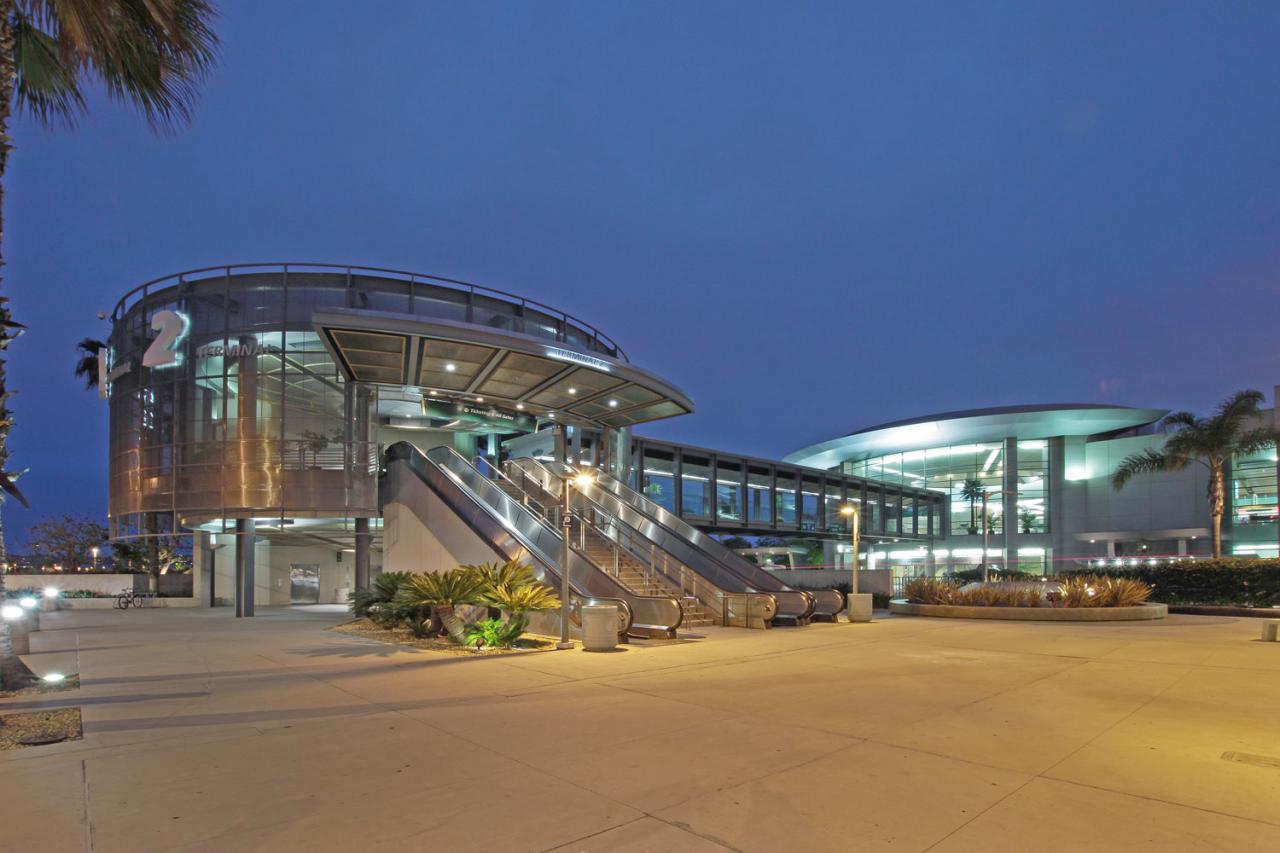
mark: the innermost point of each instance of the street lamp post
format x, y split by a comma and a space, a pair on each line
986, 526
94, 551
582, 480
859, 604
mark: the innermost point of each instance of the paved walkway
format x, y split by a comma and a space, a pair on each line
204, 733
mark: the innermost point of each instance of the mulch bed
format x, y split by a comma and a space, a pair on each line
35, 728
367, 630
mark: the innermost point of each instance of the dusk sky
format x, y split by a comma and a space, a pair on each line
812, 217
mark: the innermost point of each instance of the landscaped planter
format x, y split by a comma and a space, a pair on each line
1037, 614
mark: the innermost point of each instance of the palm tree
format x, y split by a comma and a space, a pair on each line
87, 361
442, 592
971, 490
1212, 442
151, 53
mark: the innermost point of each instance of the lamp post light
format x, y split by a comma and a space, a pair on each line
94, 551
31, 605
19, 628
986, 526
859, 605
582, 479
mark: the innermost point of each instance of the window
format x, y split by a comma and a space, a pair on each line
1253, 488
695, 487
660, 478
729, 491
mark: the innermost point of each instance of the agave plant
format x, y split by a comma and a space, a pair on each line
442, 592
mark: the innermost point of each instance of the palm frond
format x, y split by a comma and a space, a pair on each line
151, 53
1255, 440
1148, 461
1240, 405
47, 87
1180, 420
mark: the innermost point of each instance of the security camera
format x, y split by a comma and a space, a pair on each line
102, 315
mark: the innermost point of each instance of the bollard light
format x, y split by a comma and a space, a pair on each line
28, 601
11, 612
50, 592
54, 678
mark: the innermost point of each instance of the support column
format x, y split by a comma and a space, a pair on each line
575, 446
562, 443
1010, 503
245, 536
363, 539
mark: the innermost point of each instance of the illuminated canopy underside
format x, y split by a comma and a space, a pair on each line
504, 368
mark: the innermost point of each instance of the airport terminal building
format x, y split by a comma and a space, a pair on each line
253, 408
1047, 471
303, 426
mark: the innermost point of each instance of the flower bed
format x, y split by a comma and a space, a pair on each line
1079, 598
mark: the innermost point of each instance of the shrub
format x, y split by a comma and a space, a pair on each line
974, 575
1231, 581
381, 591
494, 633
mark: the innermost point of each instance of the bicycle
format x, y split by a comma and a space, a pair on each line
132, 598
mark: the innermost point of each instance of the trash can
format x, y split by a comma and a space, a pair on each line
599, 627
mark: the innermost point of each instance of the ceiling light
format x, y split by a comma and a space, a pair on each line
573, 390
479, 399
450, 367
433, 393
613, 404
520, 406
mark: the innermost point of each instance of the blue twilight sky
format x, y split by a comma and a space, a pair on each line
812, 216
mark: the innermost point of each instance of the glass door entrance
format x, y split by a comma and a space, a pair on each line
304, 584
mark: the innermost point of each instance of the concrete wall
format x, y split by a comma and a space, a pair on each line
105, 583
272, 564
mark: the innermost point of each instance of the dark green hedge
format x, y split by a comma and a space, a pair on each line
1244, 583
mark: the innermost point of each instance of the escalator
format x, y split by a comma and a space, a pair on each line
645, 557
513, 531
691, 547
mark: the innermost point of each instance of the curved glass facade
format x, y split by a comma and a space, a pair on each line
250, 418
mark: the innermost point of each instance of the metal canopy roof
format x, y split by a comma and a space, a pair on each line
976, 425
467, 362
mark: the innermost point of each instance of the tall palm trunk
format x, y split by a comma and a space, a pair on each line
1217, 505
11, 667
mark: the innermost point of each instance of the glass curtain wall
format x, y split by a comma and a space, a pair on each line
962, 473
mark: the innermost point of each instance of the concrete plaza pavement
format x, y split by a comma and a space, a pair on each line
206, 733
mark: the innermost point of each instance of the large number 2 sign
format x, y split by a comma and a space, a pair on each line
172, 328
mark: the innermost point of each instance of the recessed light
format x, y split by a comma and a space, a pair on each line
551, 414
520, 406
432, 393
573, 390
479, 399
450, 367
613, 404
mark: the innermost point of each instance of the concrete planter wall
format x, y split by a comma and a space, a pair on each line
1033, 614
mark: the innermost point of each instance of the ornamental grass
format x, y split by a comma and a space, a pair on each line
1073, 591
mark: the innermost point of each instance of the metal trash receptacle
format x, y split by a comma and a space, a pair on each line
599, 627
